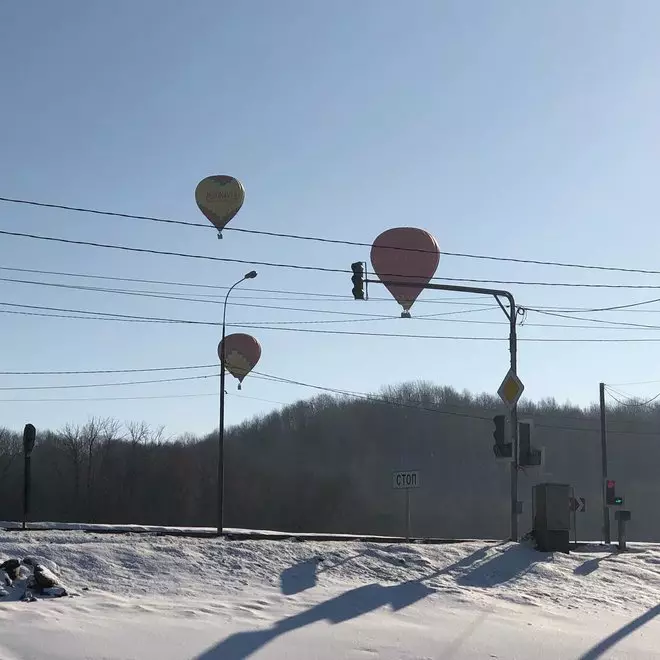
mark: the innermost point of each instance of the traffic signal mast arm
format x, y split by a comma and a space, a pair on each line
497, 293
510, 313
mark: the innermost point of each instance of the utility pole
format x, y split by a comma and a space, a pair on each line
603, 455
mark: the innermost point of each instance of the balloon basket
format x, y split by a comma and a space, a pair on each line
405, 315
219, 235
240, 387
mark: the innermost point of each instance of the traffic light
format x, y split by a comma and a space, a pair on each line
501, 448
610, 491
611, 497
358, 280
528, 456
29, 438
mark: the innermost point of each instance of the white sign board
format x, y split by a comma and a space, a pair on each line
405, 479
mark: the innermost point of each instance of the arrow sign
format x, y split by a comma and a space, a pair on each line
578, 504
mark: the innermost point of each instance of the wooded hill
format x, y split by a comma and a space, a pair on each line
325, 465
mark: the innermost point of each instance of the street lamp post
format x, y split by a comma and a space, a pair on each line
221, 427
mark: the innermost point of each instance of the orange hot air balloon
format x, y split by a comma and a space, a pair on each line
405, 254
242, 352
219, 198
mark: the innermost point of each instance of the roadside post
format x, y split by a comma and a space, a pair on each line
406, 480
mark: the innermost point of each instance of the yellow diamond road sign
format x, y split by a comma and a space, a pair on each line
511, 389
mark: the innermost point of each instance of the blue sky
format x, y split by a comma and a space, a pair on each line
516, 129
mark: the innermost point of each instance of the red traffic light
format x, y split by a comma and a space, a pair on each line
610, 493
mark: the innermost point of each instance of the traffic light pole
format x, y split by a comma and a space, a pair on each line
510, 313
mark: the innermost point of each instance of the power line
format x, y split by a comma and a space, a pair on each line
367, 397
112, 316
106, 398
255, 374
461, 338
371, 398
322, 269
178, 296
107, 371
256, 324
179, 368
179, 284
628, 325
468, 300
270, 378
638, 382
168, 296
140, 398
584, 310
74, 316
116, 384
319, 239
353, 315
610, 309
634, 404
167, 253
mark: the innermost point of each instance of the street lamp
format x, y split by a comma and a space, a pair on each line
221, 427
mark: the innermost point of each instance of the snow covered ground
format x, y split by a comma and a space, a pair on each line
146, 596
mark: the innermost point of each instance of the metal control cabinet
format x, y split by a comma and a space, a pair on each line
552, 520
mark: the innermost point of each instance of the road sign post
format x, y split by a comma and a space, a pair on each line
622, 517
576, 505
405, 480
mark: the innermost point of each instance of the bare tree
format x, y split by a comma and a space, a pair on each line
96, 432
139, 435
10, 449
72, 441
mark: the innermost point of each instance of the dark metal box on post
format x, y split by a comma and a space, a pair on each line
551, 517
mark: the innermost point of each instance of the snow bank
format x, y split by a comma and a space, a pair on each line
472, 571
167, 597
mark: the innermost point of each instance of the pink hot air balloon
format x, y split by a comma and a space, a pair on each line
405, 254
219, 198
242, 352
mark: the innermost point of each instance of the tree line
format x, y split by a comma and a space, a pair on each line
325, 465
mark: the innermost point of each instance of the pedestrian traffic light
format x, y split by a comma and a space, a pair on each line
501, 448
611, 497
358, 280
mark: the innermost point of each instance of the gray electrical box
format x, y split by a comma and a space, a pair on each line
552, 517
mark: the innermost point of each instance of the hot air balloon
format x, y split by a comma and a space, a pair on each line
405, 254
219, 198
242, 352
